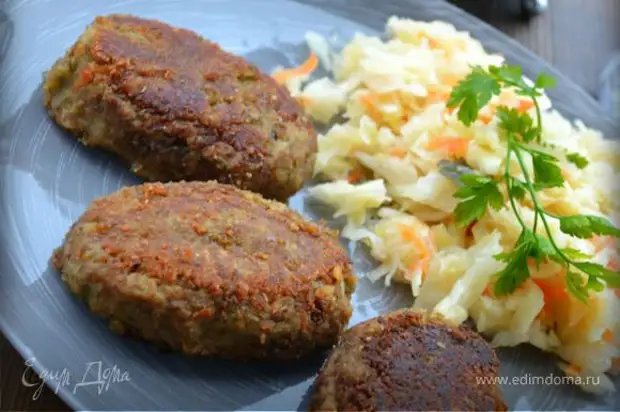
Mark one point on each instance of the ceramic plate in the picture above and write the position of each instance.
(47, 180)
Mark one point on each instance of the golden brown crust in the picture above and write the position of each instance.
(212, 260)
(408, 361)
(177, 106)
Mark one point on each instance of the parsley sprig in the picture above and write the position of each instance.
(523, 136)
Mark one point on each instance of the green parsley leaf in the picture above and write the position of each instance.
(479, 193)
(574, 284)
(600, 272)
(545, 248)
(464, 192)
(472, 94)
(475, 180)
(574, 254)
(495, 198)
(546, 172)
(517, 269)
(545, 81)
(577, 159)
(515, 273)
(503, 257)
(595, 284)
(512, 122)
(585, 226)
(518, 189)
(539, 153)
(469, 211)
(472, 184)
(507, 72)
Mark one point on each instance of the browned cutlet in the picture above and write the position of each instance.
(209, 269)
(175, 106)
(408, 361)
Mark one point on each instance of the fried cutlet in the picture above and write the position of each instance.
(208, 269)
(175, 106)
(409, 361)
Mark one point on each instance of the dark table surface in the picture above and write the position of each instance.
(577, 36)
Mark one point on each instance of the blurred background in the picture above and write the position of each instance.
(580, 37)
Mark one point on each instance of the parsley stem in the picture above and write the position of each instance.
(538, 210)
(509, 182)
(551, 214)
(538, 123)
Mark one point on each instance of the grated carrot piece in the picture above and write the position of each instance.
(525, 105)
(437, 96)
(355, 176)
(456, 146)
(450, 80)
(617, 292)
(553, 289)
(399, 152)
(303, 69)
(485, 118)
(421, 265)
(408, 234)
(434, 43)
(370, 101)
(608, 336)
(488, 291)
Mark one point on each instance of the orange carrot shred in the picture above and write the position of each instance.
(434, 43)
(488, 291)
(355, 176)
(553, 289)
(303, 69)
(456, 146)
(485, 118)
(408, 234)
(369, 102)
(525, 105)
(572, 369)
(608, 336)
(450, 80)
(399, 152)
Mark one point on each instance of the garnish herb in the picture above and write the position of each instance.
(523, 135)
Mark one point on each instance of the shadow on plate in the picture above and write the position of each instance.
(62, 167)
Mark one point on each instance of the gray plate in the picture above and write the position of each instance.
(47, 180)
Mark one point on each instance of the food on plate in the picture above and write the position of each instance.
(209, 269)
(177, 107)
(532, 262)
(409, 360)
